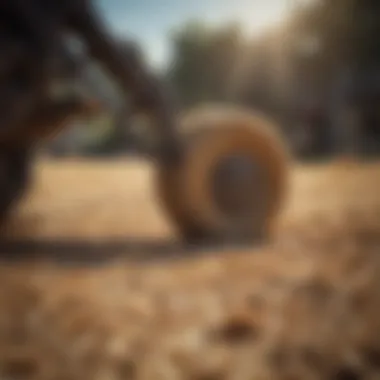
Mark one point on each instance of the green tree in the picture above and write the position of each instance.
(203, 63)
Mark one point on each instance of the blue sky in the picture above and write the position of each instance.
(148, 21)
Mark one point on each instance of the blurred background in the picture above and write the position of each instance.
(304, 306)
(311, 65)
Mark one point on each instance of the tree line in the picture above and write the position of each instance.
(323, 57)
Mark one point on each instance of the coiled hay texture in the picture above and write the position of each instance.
(212, 133)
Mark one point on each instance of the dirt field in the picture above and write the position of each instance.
(304, 306)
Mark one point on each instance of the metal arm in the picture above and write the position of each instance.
(129, 72)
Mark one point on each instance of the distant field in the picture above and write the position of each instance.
(306, 306)
(117, 198)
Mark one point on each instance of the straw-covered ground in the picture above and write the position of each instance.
(305, 306)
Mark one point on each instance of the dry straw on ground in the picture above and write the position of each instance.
(306, 306)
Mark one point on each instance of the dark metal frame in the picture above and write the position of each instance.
(33, 52)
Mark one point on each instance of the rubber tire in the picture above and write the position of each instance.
(15, 178)
(211, 132)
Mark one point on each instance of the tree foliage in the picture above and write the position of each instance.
(204, 59)
(276, 72)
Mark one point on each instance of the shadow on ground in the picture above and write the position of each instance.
(85, 252)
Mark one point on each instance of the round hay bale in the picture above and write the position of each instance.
(250, 158)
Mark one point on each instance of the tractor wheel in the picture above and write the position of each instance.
(232, 181)
(15, 173)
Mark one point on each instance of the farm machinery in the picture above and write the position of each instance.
(221, 169)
